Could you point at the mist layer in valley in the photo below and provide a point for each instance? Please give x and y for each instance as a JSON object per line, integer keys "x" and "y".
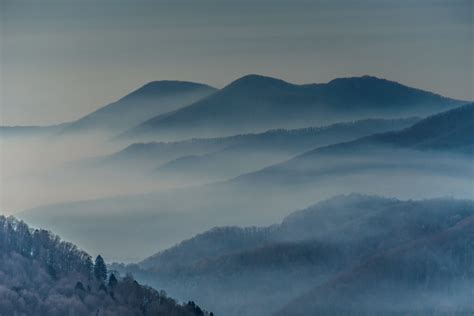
{"x": 412, "y": 163}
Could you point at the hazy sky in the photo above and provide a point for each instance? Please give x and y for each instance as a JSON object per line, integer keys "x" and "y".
{"x": 62, "y": 59}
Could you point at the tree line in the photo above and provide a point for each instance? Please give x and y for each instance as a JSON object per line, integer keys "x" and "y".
{"x": 42, "y": 275}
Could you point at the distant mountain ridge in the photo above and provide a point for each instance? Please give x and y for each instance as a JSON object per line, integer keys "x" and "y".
{"x": 30, "y": 130}
{"x": 257, "y": 151}
{"x": 204, "y": 154}
{"x": 152, "y": 99}
{"x": 449, "y": 132}
{"x": 256, "y": 103}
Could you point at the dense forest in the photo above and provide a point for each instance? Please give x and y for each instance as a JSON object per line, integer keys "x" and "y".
{"x": 348, "y": 255}
{"x": 42, "y": 275}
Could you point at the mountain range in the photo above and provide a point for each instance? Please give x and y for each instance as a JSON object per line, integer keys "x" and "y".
{"x": 226, "y": 157}
{"x": 257, "y": 103}
{"x": 176, "y": 110}
{"x": 450, "y": 132}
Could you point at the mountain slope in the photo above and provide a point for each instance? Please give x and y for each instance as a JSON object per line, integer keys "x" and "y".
{"x": 152, "y": 99}
{"x": 42, "y": 275}
{"x": 264, "y": 268}
{"x": 255, "y": 103}
{"x": 448, "y": 131}
{"x": 346, "y": 219}
{"x": 431, "y": 275}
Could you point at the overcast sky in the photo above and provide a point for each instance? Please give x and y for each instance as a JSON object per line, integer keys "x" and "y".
{"x": 62, "y": 59}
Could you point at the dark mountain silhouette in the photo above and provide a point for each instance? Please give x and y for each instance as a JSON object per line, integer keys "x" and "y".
{"x": 42, "y": 275}
{"x": 152, "y": 99}
{"x": 255, "y": 103}
{"x": 343, "y": 238}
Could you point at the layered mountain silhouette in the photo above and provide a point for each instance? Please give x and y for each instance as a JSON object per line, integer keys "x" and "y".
{"x": 224, "y": 157}
{"x": 256, "y": 151}
{"x": 348, "y": 246}
{"x": 449, "y": 132}
{"x": 152, "y": 99}
{"x": 408, "y": 170}
{"x": 256, "y": 103}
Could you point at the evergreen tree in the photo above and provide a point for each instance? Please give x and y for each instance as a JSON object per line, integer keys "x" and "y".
{"x": 88, "y": 266}
{"x": 79, "y": 286}
{"x": 32, "y": 252}
{"x": 112, "y": 280}
{"x": 100, "y": 269}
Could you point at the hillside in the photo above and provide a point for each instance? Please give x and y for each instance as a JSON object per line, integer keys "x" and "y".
{"x": 432, "y": 275}
{"x": 152, "y": 99}
{"x": 212, "y": 243}
{"x": 342, "y": 219}
{"x": 256, "y": 103}
{"x": 42, "y": 275}
{"x": 343, "y": 238}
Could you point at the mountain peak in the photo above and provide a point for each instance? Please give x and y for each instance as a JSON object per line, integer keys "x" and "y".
{"x": 168, "y": 87}
{"x": 251, "y": 77}
{"x": 257, "y": 81}
{"x": 151, "y": 99}
{"x": 368, "y": 79}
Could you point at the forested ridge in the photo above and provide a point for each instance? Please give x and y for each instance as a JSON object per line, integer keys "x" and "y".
{"x": 348, "y": 255}
{"x": 42, "y": 275}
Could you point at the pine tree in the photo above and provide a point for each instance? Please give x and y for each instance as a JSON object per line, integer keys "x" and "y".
{"x": 100, "y": 269}
{"x": 88, "y": 266}
{"x": 112, "y": 280}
